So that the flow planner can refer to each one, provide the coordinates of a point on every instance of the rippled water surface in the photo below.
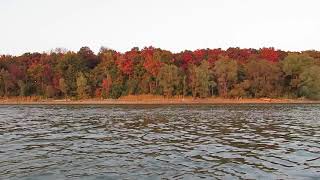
(160, 142)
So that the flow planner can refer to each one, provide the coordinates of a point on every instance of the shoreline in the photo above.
(155, 101)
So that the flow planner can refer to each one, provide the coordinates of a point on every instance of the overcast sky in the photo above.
(42, 25)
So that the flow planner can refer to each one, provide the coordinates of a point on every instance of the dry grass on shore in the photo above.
(150, 99)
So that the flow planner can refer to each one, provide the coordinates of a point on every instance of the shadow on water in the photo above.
(153, 142)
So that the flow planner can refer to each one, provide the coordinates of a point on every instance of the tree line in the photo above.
(231, 73)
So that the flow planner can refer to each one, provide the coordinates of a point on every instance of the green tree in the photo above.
(264, 78)
(240, 90)
(22, 87)
(69, 66)
(293, 66)
(168, 79)
(226, 72)
(116, 90)
(5, 82)
(310, 83)
(82, 86)
(36, 77)
(63, 87)
(200, 79)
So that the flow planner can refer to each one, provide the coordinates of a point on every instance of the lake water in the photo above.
(160, 142)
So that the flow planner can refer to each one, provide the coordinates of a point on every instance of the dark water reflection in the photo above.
(170, 142)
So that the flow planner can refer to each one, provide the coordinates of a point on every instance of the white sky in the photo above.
(42, 25)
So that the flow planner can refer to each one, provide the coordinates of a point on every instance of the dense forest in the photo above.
(231, 73)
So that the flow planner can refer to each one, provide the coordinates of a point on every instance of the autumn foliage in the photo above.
(232, 73)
